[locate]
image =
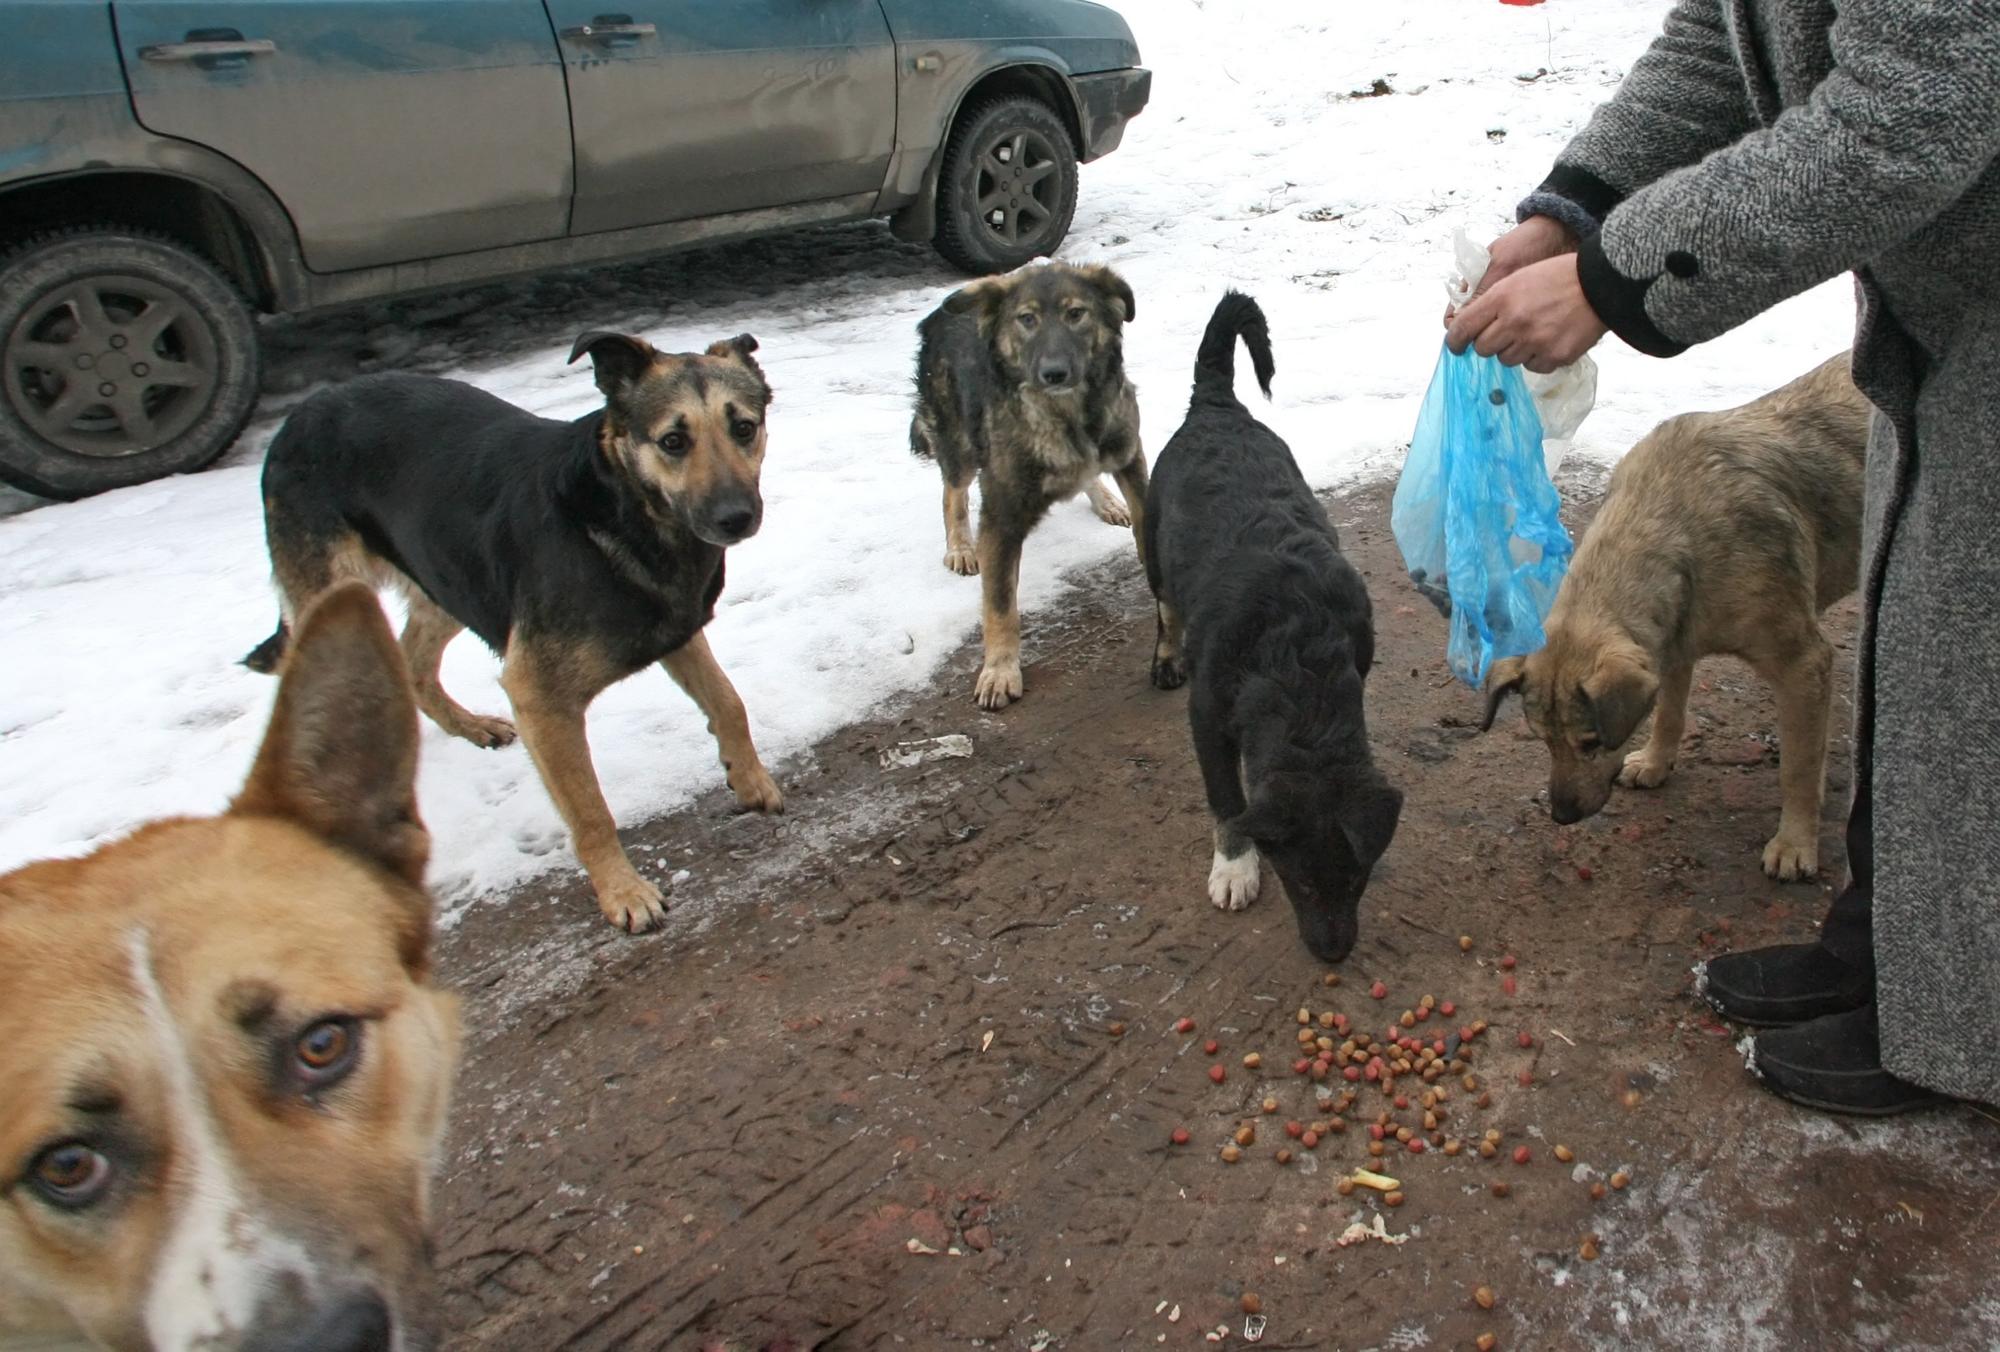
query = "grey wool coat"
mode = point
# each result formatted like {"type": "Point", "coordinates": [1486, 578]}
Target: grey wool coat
{"type": "Point", "coordinates": [1760, 147]}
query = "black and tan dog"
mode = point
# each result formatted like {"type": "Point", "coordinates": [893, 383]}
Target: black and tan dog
{"type": "Point", "coordinates": [224, 1068]}
{"type": "Point", "coordinates": [1021, 382]}
{"type": "Point", "coordinates": [1263, 615]}
{"type": "Point", "coordinates": [579, 551]}
{"type": "Point", "coordinates": [1724, 532]}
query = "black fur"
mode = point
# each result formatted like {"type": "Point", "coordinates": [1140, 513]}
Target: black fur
{"type": "Point", "coordinates": [508, 521]}
{"type": "Point", "coordinates": [1278, 640]}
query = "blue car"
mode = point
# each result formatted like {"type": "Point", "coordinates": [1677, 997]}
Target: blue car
{"type": "Point", "coordinates": [169, 168]}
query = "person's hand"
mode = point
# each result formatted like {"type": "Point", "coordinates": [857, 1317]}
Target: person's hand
{"type": "Point", "coordinates": [1531, 241]}
{"type": "Point", "coordinates": [1537, 317]}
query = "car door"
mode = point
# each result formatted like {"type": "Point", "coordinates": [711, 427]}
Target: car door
{"type": "Point", "coordinates": [687, 108]}
{"type": "Point", "coordinates": [391, 130]}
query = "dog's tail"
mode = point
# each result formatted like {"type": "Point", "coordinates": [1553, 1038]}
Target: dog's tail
{"type": "Point", "coordinates": [1237, 316]}
{"type": "Point", "coordinates": [268, 655]}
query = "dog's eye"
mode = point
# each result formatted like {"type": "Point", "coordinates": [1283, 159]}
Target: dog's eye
{"type": "Point", "coordinates": [1026, 319]}
{"type": "Point", "coordinates": [674, 443]}
{"type": "Point", "coordinates": [743, 430]}
{"type": "Point", "coordinates": [1588, 745]}
{"type": "Point", "coordinates": [71, 1175]}
{"type": "Point", "coordinates": [1076, 314]}
{"type": "Point", "coordinates": [326, 1051]}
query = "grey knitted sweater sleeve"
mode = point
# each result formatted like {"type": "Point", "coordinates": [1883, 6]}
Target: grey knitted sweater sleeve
{"type": "Point", "coordinates": [1684, 97]}
{"type": "Point", "coordinates": [1906, 119]}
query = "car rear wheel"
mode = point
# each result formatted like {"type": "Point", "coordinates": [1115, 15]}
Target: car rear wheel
{"type": "Point", "coordinates": [123, 357]}
{"type": "Point", "coordinates": [1008, 187]}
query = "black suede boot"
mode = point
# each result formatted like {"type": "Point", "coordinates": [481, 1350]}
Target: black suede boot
{"type": "Point", "coordinates": [1782, 985]}
{"type": "Point", "coordinates": [1835, 1064]}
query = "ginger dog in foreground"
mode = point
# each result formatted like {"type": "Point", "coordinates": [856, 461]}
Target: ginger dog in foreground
{"type": "Point", "coordinates": [223, 1066]}
{"type": "Point", "coordinates": [1720, 532]}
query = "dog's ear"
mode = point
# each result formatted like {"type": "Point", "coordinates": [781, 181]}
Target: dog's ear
{"type": "Point", "coordinates": [1618, 693]}
{"type": "Point", "coordinates": [1503, 676]}
{"type": "Point", "coordinates": [978, 299]}
{"type": "Point", "coordinates": [1368, 814]}
{"type": "Point", "coordinates": [1113, 288]}
{"type": "Point", "coordinates": [739, 348]}
{"type": "Point", "coordinates": [340, 755]}
{"type": "Point", "coordinates": [617, 358]}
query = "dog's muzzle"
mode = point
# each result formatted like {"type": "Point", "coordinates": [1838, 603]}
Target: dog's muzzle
{"type": "Point", "coordinates": [731, 522]}
{"type": "Point", "coordinates": [356, 1323]}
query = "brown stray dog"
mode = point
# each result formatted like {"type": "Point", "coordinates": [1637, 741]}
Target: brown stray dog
{"type": "Point", "coordinates": [1021, 381]}
{"type": "Point", "coordinates": [224, 1068]}
{"type": "Point", "coordinates": [1722, 532]}
{"type": "Point", "coordinates": [580, 552]}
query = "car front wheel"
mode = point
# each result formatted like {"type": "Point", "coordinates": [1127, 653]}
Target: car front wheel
{"type": "Point", "coordinates": [126, 357]}
{"type": "Point", "coordinates": [1008, 186]}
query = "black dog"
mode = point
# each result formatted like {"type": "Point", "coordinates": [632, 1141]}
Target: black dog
{"type": "Point", "coordinates": [1021, 381]}
{"type": "Point", "coordinates": [579, 551]}
{"type": "Point", "coordinates": [1278, 640]}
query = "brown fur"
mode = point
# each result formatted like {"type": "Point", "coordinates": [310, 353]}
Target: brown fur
{"type": "Point", "coordinates": [303, 901]}
{"type": "Point", "coordinates": [1721, 532]}
{"type": "Point", "coordinates": [986, 408]}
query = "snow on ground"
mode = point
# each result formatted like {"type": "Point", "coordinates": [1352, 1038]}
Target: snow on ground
{"type": "Point", "coordinates": [121, 618]}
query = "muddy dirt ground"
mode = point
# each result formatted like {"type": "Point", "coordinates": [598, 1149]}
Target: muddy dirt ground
{"type": "Point", "coordinates": [868, 1088]}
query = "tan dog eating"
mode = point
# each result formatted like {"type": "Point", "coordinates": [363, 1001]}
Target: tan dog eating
{"type": "Point", "coordinates": [1720, 532]}
{"type": "Point", "coordinates": [224, 1069]}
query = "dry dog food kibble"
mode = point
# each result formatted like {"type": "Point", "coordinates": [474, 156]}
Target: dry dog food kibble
{"type": "Point", "coordinates": [1211, 1046]}
{"type": "Point", "coordinates": [1217, 1073]}
{"type": "Point", "coordinates": [1620, 1179]}
{"type": "Point", "coordinates": [1251, 1061]}
{"type": "Point", "coordinates": [1230, 1154]}
{"type": "Point", "coordinates": [1246, 1135]}
{"type": "Point", "coordinates": [1180, 1136]}
{"type": "Point", "coordinates": [1184, 1025]}
{"type": "Point", "coordinates": [1522, 1154]}
{"type": "Point", "coordinates": [1251, 1304]}
{"type": "Point", "coordinates": [1483, 1297]}
{"type": "Point", "coordinates": [1486, 1342]}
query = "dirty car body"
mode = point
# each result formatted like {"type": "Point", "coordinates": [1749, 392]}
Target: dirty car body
{"type": "Point", "coordinates": [319, 152]}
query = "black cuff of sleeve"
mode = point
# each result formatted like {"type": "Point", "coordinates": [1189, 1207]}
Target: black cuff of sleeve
{"type": "Point", "coordinates": [1582, 187]}
{"type": "Point", "coordinates": [1620, 301]}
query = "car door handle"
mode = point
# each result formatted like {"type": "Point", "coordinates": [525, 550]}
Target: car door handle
{"type": "Point", "coordinates": [610, 28]}
{"type": "Point", "coordinates": [207, 50]}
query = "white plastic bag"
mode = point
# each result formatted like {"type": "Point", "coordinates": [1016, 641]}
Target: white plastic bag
{"type": "Point", "coordinates": [1564, 398]}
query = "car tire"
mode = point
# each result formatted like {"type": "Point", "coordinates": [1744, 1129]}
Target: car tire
{"type": "Point", "coordinates": [166, 344]}
{"type": "Point", "coordinates": [1008, 187]}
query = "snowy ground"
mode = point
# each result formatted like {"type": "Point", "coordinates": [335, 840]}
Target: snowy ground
{"type": "Point", "coordinates": [121, 618]}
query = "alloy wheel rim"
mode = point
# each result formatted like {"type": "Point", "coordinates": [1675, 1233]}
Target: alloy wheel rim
{"type": "Point", "coordinates": [110, 365]}
{"type": "Point", "coordinates": [1018, 185]}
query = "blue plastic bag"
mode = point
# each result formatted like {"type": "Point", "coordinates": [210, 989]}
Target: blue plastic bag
{"type": "Point", "coordinates": [1476, 516]}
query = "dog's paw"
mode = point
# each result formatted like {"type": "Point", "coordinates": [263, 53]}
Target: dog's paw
{"type": "Point", "coordinates": [963, 560]}
{"type": "Point", "coordinates": [1110, 508]}
{"type": "Point", "coordinates": [756, 790]}
{"type": "Point", "coordinates": [631, 903]}
{"type": "Point", "coordinates": [1233, 883]}
{"type": "Point", "coordinates": [1791, 861]}
{"type": "Point", "coordinates": [1169, 673]}
{"type": "Point", "coordinates": [1641, 772]}
{"type": "Point", "coordinates": [998, 686]}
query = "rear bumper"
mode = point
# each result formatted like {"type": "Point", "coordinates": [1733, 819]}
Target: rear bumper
{"type": "Point", "coordinates": [1109, 100]}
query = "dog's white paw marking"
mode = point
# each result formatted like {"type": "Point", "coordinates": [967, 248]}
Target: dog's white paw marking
{"type": "Point", "coordinates": [1640, 771]}
{"type": "Point", "coordinates": [756, 790]}
{"type": "Point", "coordinates": [1233, 883]}
{"type": "Point", "coordinates": [1791, 861]}
{"type": "Point", "coordinates": [998, 686]}
{"type": "Point", "coordinates": [963, 560]}
{"type": "Point", "coordinates": [631, 903]}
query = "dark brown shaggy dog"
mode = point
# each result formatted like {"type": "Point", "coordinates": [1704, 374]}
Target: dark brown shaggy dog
{"type": "Point", "coordinates": [1021, 381]}
{"type": "Point", "coordinates": [580, 551]}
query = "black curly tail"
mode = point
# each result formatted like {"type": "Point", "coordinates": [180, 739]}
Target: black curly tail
{"type": "Point", "coordinates": [1237, 316]}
